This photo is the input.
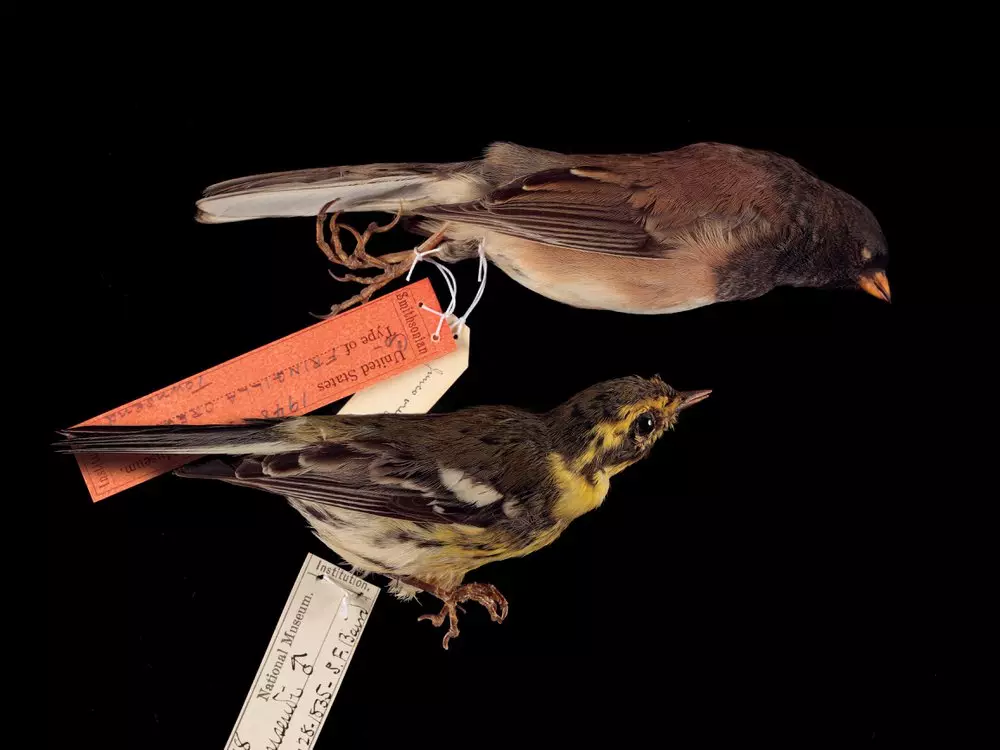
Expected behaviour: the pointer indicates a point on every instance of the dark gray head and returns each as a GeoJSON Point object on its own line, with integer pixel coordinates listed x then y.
{"type": "Point", "coordinates": [856, 246]}
{"type": "Point", "coordinates": [828, 239]}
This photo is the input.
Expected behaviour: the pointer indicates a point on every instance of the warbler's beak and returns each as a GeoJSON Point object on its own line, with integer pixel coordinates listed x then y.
{"type": "Point", "coordinates": [690, 398]}
{"type": "Point", "coordinates": [876, 283]}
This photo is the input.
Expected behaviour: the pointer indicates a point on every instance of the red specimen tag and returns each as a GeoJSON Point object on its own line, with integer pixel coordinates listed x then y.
{"type": "Point", "coordinates": [294, 375]}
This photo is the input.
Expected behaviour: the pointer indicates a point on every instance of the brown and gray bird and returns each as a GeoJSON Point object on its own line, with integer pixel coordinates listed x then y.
{"type": "Point", "coordinates": [650, 233]}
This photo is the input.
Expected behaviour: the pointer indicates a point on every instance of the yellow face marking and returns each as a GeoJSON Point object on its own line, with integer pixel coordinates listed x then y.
{"type": "Point", "coordinates": [605, 437]}
{"type": "Point", "coordinates": [866, 253]}
{"type": "Point", "coordinates": [631, 411]}
{"type": "Point", "coordinates": [608, 436]}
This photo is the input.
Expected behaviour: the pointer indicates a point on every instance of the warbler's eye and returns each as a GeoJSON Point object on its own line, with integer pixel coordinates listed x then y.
{"type": "Point", "coordinates": [644, 425]}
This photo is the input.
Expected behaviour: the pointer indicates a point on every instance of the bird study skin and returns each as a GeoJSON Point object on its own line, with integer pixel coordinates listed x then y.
{"type": "Point", "coordinates": [649, 233]}
{"type": "Point", "coordinates": [425, 499]}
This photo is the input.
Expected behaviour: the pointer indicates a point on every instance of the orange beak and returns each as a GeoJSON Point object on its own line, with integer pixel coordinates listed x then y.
{"type": "Point", "coordinates": [876, 284]}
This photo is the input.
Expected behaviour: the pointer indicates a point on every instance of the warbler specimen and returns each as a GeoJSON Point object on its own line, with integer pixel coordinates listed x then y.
{"type": "Point", "coordinates": [636, 233]}
{"type": "Point", "coordinates": [426, 498]}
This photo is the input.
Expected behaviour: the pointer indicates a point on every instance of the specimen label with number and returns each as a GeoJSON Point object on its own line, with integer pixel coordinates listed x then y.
{"type": "Point", "coordinates": [306, 660]}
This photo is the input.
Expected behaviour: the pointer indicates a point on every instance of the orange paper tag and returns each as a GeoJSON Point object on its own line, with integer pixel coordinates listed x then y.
{"type": "Point", "coordinates": [294, 375]}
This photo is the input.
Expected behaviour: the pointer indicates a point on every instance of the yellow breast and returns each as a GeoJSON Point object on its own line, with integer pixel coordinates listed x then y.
{"type": "Point", "coordinates": [577, 493]}
{"type": "Point", "coordinates": [464, 548]}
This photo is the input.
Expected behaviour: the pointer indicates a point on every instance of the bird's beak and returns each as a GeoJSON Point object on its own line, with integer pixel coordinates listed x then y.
{"type": "Point", "coordinates": [876, 284]}
{"type": "Point", "coordinates": [690, 398]}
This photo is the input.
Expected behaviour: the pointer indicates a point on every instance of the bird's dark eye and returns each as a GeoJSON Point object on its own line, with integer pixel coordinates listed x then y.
{"type": "Point", "coordinates": [644, 425]}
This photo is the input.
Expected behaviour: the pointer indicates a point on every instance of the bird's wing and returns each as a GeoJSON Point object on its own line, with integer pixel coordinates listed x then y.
{"type": "Point", "coordinates": [368, 477]}
{"type": "Point", "coordinates": [638, 205]}
{"type": "Point", "coordinates": [583, 208]}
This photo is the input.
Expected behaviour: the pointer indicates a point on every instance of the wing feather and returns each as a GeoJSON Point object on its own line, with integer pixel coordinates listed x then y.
{"type": "Point", "coordinates": [362, 477]}
{"type": "Point", "coordinates": [578, 208]}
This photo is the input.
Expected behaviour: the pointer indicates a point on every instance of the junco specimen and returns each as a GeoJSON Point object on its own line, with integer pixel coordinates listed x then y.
{"type": "Point", "coordinates": [651, 233]}
{"type": "Point", "coordinates": [426, 498]}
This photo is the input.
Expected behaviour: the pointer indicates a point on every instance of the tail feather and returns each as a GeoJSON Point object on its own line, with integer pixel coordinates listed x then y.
{"type": "Point", "coordinates": [257, 436]}
{"type": "Point", "coordinates": [372, 187]}
{"type": "Point", "coordinates": [207, 469]}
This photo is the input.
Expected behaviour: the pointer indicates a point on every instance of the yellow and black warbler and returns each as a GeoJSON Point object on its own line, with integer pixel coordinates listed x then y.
{"type": "Point", "coordinates": [426, 498]}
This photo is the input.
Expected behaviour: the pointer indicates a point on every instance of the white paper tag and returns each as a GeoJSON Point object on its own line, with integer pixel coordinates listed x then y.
{"type": "Point", "coordinates": [416, 390]}
{"type": "Point", "coordinates": [305, 663]}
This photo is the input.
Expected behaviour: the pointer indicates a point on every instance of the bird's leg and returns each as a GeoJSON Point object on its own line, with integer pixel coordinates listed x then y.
{"type": "Point", "coordinates": [359, 257]}
{"type": "Point", "coordinates": [336, 253]}
{"type": "Point", "coordinates": [372, 285]}
{"type": "Point", "coordinates": [391, 266]}
{"type": "Point", "coordinates": [373, 228]}
{"type": "Point", "coordinates": [395, 265]}
{"type": "Point", "coordinates": [485, 594]}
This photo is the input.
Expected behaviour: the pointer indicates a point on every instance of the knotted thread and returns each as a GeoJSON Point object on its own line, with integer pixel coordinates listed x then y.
{"type": "Point", "coordinates": [483, 264]}
{"type": "Point", "coordinates": [449, 278]}
{"type": "Point", "coordinates": [419, 256]}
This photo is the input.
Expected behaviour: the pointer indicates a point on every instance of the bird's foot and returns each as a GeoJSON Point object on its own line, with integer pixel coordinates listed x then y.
{"type": "Point", "coordinates": [485, 594]}
{"type": "Point", "coordinates": [359, 257]}
{"type": "Point", "coordinates": [390, 266]}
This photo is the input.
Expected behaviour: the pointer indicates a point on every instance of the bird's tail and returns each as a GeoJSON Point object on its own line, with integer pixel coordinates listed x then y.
{"type": "Point", "coordinates": [253, 436]}
{"type": "Point", "coordinates": [370, 187]}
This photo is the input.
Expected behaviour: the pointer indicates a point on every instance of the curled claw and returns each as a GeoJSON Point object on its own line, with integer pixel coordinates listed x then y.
{"type": "Point", "coordinates": [485, 594]}
{"type": "Point", "coordinates": [390, 267]}
{"type": "Point", "coordinates": [363, 296]}
{"type": "Point", "coordinates": [359, 257]}
{"type": "Point", "coordinates": [374, 227]}
{"type": "Point", "coordinates": [358, 237]}
{"type": "Point", "coordinates": [489, 597]}
{"type": "Point", "coordinates": [334, 254]}
{"type": "Point", "coordinates": [448, 610]}
{"type": "Point", "coordinates": [352, 277]}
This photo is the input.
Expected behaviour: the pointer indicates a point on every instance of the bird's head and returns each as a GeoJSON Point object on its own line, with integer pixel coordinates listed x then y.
{"type": "Point", "coordinates": [611, 425]}
{"type": "Point", "coordinates": [857, 252]}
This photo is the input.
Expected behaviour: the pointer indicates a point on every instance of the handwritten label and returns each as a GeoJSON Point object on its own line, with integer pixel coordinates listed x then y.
{"type": "Point", "coordinates": [306, 660]}
{"type": "Point", "coordinates": [302, 372]}
{"type": "Point", "coordinates": [416, 390]}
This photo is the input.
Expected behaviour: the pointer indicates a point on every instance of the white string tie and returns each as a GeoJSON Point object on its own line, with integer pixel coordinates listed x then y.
{"type": "Point", "coordinates": [419, 256]}
{"type": "Point", "coordinates": [449, 279]}
{"type": "Point", "coordinates": [483, 265]}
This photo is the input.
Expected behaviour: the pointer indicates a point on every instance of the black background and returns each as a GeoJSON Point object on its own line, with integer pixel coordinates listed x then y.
{"type": "Point", "coordinates": [799, 559]}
